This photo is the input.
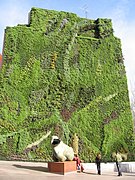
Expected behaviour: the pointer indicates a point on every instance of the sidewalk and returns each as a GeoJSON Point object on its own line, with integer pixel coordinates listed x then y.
{"type": "Point", "coordinates": [14, 170]}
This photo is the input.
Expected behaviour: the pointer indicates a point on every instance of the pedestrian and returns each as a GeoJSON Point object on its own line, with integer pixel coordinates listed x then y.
{"type": "Point", "coordinates": [118, 160]}
{"type": "Point", "coordinates": [98, 163]}
{"type": "Point", "coordinates": [79, 166]}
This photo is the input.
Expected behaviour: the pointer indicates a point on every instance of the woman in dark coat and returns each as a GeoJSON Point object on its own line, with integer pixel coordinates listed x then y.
{"type": "Point", "coordinates": [98, 162]}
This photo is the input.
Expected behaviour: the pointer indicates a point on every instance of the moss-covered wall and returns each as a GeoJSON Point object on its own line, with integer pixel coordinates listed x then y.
{"type": "Point", "coordinates": [68, 78]}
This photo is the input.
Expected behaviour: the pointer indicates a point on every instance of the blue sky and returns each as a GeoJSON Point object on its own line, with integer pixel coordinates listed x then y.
{"type": "Point", "coordinates": [121, 12]}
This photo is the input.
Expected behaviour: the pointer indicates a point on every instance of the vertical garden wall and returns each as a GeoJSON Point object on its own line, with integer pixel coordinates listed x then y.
{"type": "Point", "coordinates": [64, 74]}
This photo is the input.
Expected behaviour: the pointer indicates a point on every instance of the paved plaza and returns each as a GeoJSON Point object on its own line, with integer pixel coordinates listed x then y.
{"type": "Point", "coordinates": [15, 170]}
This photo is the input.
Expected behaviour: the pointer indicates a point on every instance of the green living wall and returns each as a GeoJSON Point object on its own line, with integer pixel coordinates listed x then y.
{"type": "Point", "coordinates": [64, 74]}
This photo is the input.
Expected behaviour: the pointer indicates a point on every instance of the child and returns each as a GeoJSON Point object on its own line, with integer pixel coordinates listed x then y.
{"type": "Point", "coordinates": [79, 166]}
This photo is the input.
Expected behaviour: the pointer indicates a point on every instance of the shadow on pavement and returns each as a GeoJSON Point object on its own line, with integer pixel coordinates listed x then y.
{"type": "Point", "coordinates": [89, 173]}
{"type": "Point", "coordinates": [35, 168]}
{"type": "Point", "coordinates": [131, 174]}
{"type": "Point", "coordinates": [104, 174]}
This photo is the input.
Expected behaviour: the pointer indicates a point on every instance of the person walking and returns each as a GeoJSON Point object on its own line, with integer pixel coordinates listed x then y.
{"type": "Point", "coordinates": [118, 160]}
{"type": "Point", "coordinates": [98, 163]}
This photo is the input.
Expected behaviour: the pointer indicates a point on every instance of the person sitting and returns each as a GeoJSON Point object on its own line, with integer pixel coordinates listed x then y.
{"type": "Point", "coordinates": [79, 166]}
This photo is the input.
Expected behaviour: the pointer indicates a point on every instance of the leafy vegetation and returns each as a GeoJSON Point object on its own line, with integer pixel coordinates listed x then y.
{"type": "Point", "coordinates": [65, 79]}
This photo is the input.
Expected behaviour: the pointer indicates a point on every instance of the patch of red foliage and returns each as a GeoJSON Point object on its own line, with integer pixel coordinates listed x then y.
{"type": "Point", "coordinates": [67, 113]}
{"type": "Point", "coordinates": [0, 60]}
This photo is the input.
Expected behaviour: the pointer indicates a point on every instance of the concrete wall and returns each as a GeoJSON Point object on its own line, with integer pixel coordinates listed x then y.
{"type": "Point", "coordinates": [111, 167]}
